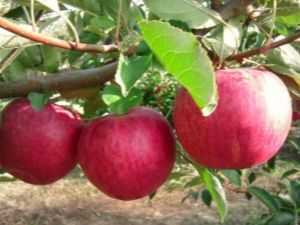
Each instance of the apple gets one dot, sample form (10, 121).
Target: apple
(38, 146)
(248, 127)
(129, 156)
(295, 116)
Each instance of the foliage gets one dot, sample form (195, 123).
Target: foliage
(159, 48)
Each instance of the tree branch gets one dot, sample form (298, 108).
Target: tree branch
(263, 49)
(60, 81)
(234, 7)
(34, 36)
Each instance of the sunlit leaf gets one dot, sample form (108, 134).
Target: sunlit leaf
(195, 14)
(181, 54)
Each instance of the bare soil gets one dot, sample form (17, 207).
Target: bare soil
(77, 202)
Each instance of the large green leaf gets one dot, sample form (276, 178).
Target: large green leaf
(181, 54)
(195, 14)
(266, 199)
(215, 188)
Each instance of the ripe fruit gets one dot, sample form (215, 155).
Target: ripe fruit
(129, 156)
(38, 147)
(295, 116)
(249, 125)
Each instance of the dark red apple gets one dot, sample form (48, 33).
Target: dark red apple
(248, 127)
(39, 147)
(128, 156)
(295, 116)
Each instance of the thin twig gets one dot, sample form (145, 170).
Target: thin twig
(236, 190)
(34, 36)
(261, 50)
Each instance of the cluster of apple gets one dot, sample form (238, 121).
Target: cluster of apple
(129, 156)
(126, 157)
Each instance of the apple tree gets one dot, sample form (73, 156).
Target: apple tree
(109, 57)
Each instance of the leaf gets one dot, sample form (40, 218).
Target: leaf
(176, 175)
(87, 92)
(112, 7)
(284, 218)
(182, 55)
(130, 70)
(293, 188)
(103, 22)
(152, 195)
(196, 15)
(227, 39)
(288, 11)
(51, 59)
(251, 177)
(266, 199)
(195, 195)
(288, 173)
(92, 105)
(6, 177)
(91, 6)
(215, 188)
(206, 197)
(112, 96)
(38, 4)
(195, 181)
(37, 100)
(233, 176)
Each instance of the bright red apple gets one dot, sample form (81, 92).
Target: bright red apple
(38, 147)
(128, 156)
(248, 127)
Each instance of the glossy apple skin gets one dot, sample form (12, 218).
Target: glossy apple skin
(39, 147)
(130, 156)
(248, 127)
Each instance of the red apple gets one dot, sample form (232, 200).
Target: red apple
(129, 156)
(38, 147)
(295, 116)
(248, 127)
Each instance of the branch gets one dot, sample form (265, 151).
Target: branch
(215, 4)
(60, 81)
(234, 7)
(262, 50)
(34, 36)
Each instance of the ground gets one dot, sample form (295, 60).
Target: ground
(74, 201)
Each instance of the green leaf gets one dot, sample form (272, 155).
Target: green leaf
(233, 176)
(91, 6)
(266, 199)
(227, 39)
(206, 197)
(251, 177)
(284, 218)
(103, 22)
(176, 175)
(51, 59)
(112, 96)
(113, 8)
(130, 70)
(6, 177)
(152, 195)
(37, 100)
(293, 188)
(215, 188)
(182, 55)
(195, 195)
(196, 15)
(288, 173)
(92, 105)
(195, 181)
